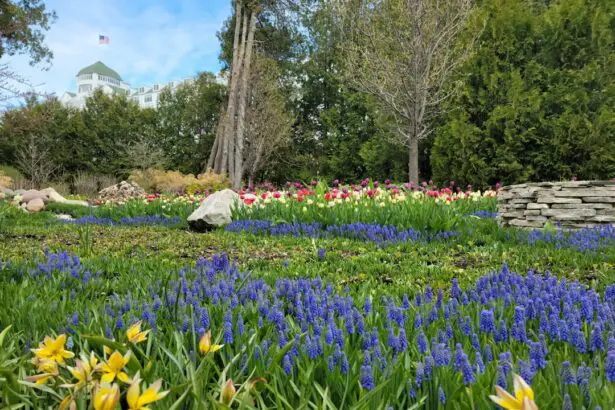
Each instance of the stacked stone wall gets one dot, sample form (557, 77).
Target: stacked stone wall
(573, 204)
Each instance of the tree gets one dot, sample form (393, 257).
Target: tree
(403, 52)
(228, 151)
(268, 122)
(34, 159)
(22, 27)
(112, 122)
(187, 118)
(538, 100)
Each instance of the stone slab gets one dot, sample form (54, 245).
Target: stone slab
(547, 199)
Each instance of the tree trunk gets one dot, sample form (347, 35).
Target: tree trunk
(238, 62)
(214, 148)
(243, 97)
(413, 160)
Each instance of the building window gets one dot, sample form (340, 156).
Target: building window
(136, 99)
(156, 87)
(85, 88)
(142, 89)
(148, 98)
(85, 77)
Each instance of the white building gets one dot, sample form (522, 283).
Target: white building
(98, 75)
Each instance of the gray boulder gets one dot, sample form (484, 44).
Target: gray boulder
(33, 194)
(8, 193)
(215, 210)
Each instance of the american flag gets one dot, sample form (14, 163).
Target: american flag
(103, 39)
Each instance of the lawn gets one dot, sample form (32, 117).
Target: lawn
(376, 302)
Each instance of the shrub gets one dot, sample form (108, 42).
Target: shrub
(156, 180)
(105, 181)
(23, 183)
(11, 171)
(209, 182)
(88, 185)
(5, 180)
(85, 184)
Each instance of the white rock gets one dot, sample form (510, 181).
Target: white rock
(215, 210)
(53, 195)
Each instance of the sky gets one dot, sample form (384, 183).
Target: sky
(151, 41)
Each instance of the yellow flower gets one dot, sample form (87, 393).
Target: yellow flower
(205, 345)
(228, 392)
(135, 335)
(107, 397)
(49, 369)
(53, 349)
(114, 366)
(137, 401)
(523, 400)
(68, 403)
(83, 371)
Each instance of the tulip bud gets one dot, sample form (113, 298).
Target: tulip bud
(228, 392)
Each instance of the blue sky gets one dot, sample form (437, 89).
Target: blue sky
(151, 41)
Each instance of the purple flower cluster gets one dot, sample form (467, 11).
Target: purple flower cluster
(381, 235)
(584, 240)
(485, 214)
(505, 323)
(145, 220)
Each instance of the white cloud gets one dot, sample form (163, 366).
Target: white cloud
(148, 44)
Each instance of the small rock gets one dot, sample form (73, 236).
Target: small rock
(64, 217)
(8, 193)
(35, 205)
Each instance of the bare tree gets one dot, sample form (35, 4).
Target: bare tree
(403, 52)
(227, 153)
(34, 159)
(143, 154)
(12, 85)
(268, 123)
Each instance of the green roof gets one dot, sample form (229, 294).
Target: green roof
(100, 68)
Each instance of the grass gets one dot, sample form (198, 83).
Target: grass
(45, 292)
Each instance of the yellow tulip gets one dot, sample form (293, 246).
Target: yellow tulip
(53, 349)
(106, 397)
(114, 368)
(137, 401)
(68, 403)
(49, 369)
(228, 392)
(83, 371)
(523, 399)
(205, 345)
(135, 335)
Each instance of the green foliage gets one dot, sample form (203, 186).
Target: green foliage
(22, 27)
(538, 97)
(186, 122)
(144, 261)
